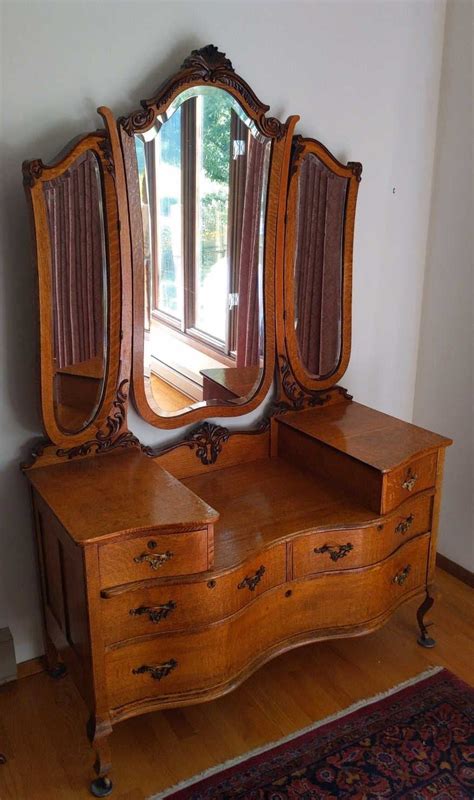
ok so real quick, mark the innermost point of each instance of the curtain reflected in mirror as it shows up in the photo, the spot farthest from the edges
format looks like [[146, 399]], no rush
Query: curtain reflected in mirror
[[319, 266], [79, 290], [203, 173]]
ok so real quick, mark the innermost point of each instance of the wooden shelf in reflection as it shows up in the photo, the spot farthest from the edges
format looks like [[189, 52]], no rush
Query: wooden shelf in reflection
[[230, 383]]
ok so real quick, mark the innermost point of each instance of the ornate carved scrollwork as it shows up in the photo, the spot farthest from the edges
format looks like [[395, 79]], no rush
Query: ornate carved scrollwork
[[298, 397], [335, 551], [206, 439], [206, 65], [356, 168], [32, 170], [157, 672], [106, 148], [110, 437]]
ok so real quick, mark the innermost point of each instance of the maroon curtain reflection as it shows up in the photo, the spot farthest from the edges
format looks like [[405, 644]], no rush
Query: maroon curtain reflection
[[73, 203], [318, 265], [248, 314]]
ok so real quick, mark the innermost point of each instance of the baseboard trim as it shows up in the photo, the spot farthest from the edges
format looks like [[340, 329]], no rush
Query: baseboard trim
[[27, 668], [457, 570]]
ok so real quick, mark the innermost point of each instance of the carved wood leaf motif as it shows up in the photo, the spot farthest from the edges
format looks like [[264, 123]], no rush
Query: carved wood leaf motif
[[107, 439], [206, 439], [206, 65]]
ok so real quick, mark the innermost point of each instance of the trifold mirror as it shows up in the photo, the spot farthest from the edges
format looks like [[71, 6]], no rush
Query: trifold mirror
[[189, 248]]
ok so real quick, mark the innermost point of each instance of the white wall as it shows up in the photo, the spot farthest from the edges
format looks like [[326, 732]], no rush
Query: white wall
[[444, 387], [364, 77]]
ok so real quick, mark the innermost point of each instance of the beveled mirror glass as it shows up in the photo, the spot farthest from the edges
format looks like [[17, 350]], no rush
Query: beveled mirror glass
[[318, 266], [74, 211], [203, 172]]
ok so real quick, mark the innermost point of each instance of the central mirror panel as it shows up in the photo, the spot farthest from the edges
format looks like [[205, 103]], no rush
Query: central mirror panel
[[203, 176]]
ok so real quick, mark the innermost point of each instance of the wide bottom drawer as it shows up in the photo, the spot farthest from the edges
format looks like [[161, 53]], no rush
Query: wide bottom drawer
[[196, 662]]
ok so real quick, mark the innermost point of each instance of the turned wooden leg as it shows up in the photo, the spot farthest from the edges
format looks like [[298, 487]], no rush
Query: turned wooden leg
[[98, 731], [54, 666], [424, 640]]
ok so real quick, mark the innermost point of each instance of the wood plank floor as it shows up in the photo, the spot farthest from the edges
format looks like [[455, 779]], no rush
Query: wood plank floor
[[42, 722]]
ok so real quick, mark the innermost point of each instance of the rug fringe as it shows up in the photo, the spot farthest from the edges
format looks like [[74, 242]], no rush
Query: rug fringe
[[208, 773]]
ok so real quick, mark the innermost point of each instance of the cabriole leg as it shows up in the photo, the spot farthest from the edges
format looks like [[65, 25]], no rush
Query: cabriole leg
[[424, 640], [98, 731]]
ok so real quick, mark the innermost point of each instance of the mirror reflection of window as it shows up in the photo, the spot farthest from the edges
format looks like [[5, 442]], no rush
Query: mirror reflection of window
[[203, 173]]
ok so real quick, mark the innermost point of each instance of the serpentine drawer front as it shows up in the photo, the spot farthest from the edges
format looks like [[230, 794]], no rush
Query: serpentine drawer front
[[400, 484], [186, 662], [156, 608], [336, 550], [153, 555]]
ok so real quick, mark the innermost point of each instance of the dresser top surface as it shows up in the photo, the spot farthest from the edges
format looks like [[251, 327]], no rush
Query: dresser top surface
[[376, 439], [116, 493]]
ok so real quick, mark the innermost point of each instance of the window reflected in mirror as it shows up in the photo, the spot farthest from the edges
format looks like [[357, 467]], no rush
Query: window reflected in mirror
[[319, 266], [79, 291], [203, 174]]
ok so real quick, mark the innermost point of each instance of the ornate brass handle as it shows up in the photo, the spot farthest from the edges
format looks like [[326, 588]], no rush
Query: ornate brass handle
[[335, 551], [403, 526], [410, 480], [155, 561], [155, 613], [157, 672], [401, 577], [250, 583]]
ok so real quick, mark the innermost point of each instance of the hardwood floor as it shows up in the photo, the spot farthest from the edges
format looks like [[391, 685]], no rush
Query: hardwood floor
[[167, 397], [42, 721]]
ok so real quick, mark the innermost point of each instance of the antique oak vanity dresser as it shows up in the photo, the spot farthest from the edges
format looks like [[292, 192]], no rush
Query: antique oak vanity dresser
[[192, 254]]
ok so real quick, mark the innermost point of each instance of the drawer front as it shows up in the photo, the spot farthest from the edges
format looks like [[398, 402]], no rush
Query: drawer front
[[403, 483], [349, 549], [153, 555], [174, 606], [167, 667]]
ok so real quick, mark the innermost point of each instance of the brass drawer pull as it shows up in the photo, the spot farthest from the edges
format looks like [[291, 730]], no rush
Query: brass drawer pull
[[157, 672], [155, 613], [406, 523], [251, 583], [156, 561], [401, 577], [335, 551], [410, 480]]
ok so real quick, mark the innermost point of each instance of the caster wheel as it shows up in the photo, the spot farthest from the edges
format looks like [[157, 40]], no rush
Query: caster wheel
[[101, 787], [426, 641], [3, 759], [57, 672]]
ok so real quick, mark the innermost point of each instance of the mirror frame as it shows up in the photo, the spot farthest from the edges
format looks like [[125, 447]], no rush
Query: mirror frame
[[207, 66], [35, 173], [294, 378]]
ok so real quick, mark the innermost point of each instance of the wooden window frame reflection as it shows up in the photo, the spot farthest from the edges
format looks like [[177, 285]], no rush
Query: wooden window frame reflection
[[186, 323]]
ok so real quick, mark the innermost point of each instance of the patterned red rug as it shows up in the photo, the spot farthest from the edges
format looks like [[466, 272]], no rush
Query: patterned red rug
[[414, 743]]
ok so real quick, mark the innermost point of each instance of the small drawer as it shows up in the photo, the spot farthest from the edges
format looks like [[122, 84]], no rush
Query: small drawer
[[174, 606], [400, 484], [349, 549], [153, 555]]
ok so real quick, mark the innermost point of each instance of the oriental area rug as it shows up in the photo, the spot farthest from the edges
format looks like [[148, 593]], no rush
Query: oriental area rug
[[415, 742]]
